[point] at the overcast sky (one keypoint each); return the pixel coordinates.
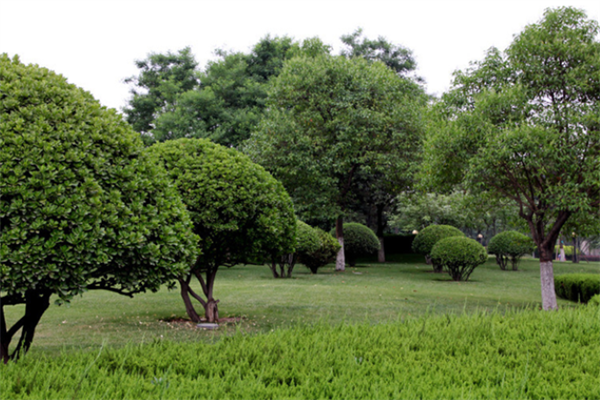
(95, 43)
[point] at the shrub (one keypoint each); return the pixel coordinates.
(460, 255)
(359, 241)
(577, 287)
(510, 245)
(595, 300)
(307, 242)
(429, 236)
(239, 210)
(82, 207)
(323, 255)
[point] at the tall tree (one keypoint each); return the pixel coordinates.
(529, 129)
(396, 57)
(328, 119)
(162, 78)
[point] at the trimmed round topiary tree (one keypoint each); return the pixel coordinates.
(428, 237)
(359, 241)
(324, 254)
(510, 246)
(307, 241)
(459, 255)
(239, 210)
(82, 207)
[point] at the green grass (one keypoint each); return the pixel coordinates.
(372, 293)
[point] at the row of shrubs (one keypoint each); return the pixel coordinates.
(577, 287)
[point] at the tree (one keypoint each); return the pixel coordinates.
(530, 131)
(359, 241)
(460, 255)
(428, 237)
(82, 206)
(307, 242)
(222, 103)
(163, 77)
(242, 214)
(510, 245)
(324, 254)
(395, 57)
(328, 119)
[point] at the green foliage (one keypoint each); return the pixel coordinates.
(595, 300)
(568, 250)
(428, 237)
(527, 355)
(328, 119)
(307, 242)
(510, 245)
(460, 255)
(525, 125)
(577, 287)
(359, 241)
(82, 206)
(241, 212)
(323, 254)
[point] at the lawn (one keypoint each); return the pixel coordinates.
(372, 293)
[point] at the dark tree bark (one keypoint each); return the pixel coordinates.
(380, 226)
(209, 304)
(36, 304)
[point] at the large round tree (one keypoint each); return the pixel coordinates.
(82, 206)
(241, 212)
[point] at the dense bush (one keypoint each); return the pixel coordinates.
(323, 255)
(510, 246)
(359, 241)
(307, 242)
(82, 207)
(429, 236)
(505, 355)
(239, 210)
(577, 287)
(460, 255)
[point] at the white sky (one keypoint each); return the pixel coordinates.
(94, 43)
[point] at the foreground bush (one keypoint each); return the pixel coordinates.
(359, 241)
(512, 355)
(324, 254)
(460, 255)
(510, 246)
(429, 236)
(577, 287)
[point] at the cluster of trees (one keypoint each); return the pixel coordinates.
(85, 205)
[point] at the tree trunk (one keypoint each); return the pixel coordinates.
(185, 295)
(273, 267)
(340, 262)
(547, 278)
(37, 304)
(381, 252)
(212, 311)
(575, 257)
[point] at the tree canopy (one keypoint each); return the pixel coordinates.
(82, 206)
(241, 212)
(524, 125)
(329, 118)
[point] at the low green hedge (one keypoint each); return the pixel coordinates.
(505, 355)
(577, 287)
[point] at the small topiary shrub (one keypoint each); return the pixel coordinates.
(359, 241)
(323, 255)
(577, 287)
(460, 255)
(595, 300)
(510, 246)
(429, 236)
(307, 242)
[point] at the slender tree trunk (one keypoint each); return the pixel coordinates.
(340, 262)
(575, 257)
(547, 278)
(273, 267)
(381, 252)
(185, 295)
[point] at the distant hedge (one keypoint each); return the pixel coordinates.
(577, 287)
